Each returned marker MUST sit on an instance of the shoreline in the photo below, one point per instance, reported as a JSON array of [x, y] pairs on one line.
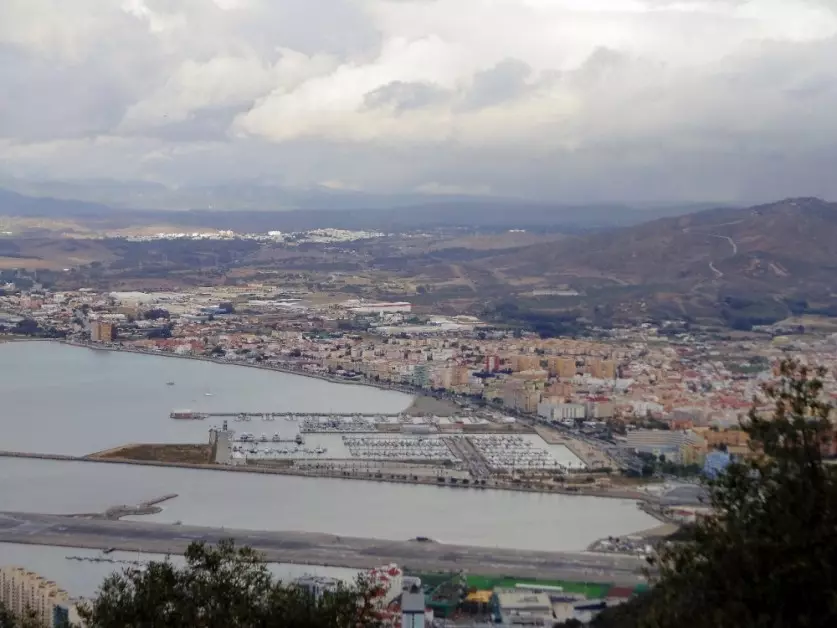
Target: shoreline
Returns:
[[288, 370]]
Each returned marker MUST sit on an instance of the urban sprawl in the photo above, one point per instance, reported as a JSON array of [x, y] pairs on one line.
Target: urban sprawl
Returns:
[[652, 401]]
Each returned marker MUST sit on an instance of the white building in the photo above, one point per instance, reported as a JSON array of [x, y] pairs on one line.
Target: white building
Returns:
[[561, 411], [412, 608], [518, 607], [401, 307]]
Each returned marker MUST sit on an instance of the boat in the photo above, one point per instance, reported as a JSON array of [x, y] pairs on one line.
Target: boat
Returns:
[[207, 394], [169, 383]]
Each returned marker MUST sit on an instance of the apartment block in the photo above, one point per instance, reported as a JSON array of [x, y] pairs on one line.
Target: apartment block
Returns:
[[600, 369], [523, 362], [101, 331], [559, 366], [23, 591], [561, 411]]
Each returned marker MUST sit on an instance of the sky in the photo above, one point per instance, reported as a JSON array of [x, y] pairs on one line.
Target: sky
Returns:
[[559, 100]]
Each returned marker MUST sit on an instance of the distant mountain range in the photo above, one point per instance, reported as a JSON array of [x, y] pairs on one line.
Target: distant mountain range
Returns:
[[742, 266], [230, 207]]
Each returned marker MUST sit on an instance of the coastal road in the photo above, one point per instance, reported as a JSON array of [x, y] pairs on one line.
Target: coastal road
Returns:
[[320, 549]]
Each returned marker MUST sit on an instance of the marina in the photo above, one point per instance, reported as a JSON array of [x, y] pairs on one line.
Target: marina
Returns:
[[83, 402], [507, 453], [406, 449]]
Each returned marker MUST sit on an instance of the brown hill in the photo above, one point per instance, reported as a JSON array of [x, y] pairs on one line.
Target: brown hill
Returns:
[[761, 262]]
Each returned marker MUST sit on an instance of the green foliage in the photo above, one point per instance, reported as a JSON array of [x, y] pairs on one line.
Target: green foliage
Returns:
[[221, 587], [544, 323], [8, 620], [767, 557]]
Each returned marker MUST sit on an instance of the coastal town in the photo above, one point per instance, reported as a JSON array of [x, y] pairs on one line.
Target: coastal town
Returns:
[[629, 413], [651, 399]]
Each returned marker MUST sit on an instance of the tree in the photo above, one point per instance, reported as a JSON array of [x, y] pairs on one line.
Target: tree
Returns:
[[155, 314], [222, 587], [9, 620], [767, 556]]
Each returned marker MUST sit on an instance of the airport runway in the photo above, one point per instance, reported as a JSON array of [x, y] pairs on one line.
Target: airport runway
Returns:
[[320, 549]]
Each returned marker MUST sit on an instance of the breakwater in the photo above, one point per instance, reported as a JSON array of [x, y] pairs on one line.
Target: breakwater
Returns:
[[389, 476]]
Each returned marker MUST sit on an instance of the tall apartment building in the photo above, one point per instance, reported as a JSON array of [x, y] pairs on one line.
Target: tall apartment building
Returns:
[[420, 375], [601, 369], [101, 331], [23, 591], [560, 366], [560, 389], [492, 363], [524, 362], [520, 395]]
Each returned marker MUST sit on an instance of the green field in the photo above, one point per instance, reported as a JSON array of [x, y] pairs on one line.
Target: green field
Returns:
[[589, 589]]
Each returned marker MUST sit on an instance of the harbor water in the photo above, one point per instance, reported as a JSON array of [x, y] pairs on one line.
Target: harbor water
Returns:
[[59, 399], [65, 400], [492, 518]]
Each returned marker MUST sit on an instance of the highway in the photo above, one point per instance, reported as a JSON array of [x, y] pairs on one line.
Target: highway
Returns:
[[320, 549]]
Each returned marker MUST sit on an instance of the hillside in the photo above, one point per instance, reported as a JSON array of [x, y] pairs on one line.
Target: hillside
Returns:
[[762, 262]]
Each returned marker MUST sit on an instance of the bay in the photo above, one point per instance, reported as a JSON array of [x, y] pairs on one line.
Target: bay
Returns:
[[58, 399]]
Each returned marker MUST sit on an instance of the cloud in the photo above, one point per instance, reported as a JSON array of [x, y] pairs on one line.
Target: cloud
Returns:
[[559, 99], [401, 96]]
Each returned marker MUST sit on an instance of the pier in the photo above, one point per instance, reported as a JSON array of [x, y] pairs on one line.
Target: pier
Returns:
[[291, 416]]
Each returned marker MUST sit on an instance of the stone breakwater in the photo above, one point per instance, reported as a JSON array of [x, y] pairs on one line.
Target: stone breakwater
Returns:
[[307, 471]]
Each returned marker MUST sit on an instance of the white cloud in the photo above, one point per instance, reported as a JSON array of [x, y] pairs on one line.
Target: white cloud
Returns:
[[538, 97], [219, 82]]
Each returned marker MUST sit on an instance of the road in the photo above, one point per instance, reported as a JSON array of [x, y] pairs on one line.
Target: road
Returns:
[[734, 246], [320, 549], [728, 239]]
